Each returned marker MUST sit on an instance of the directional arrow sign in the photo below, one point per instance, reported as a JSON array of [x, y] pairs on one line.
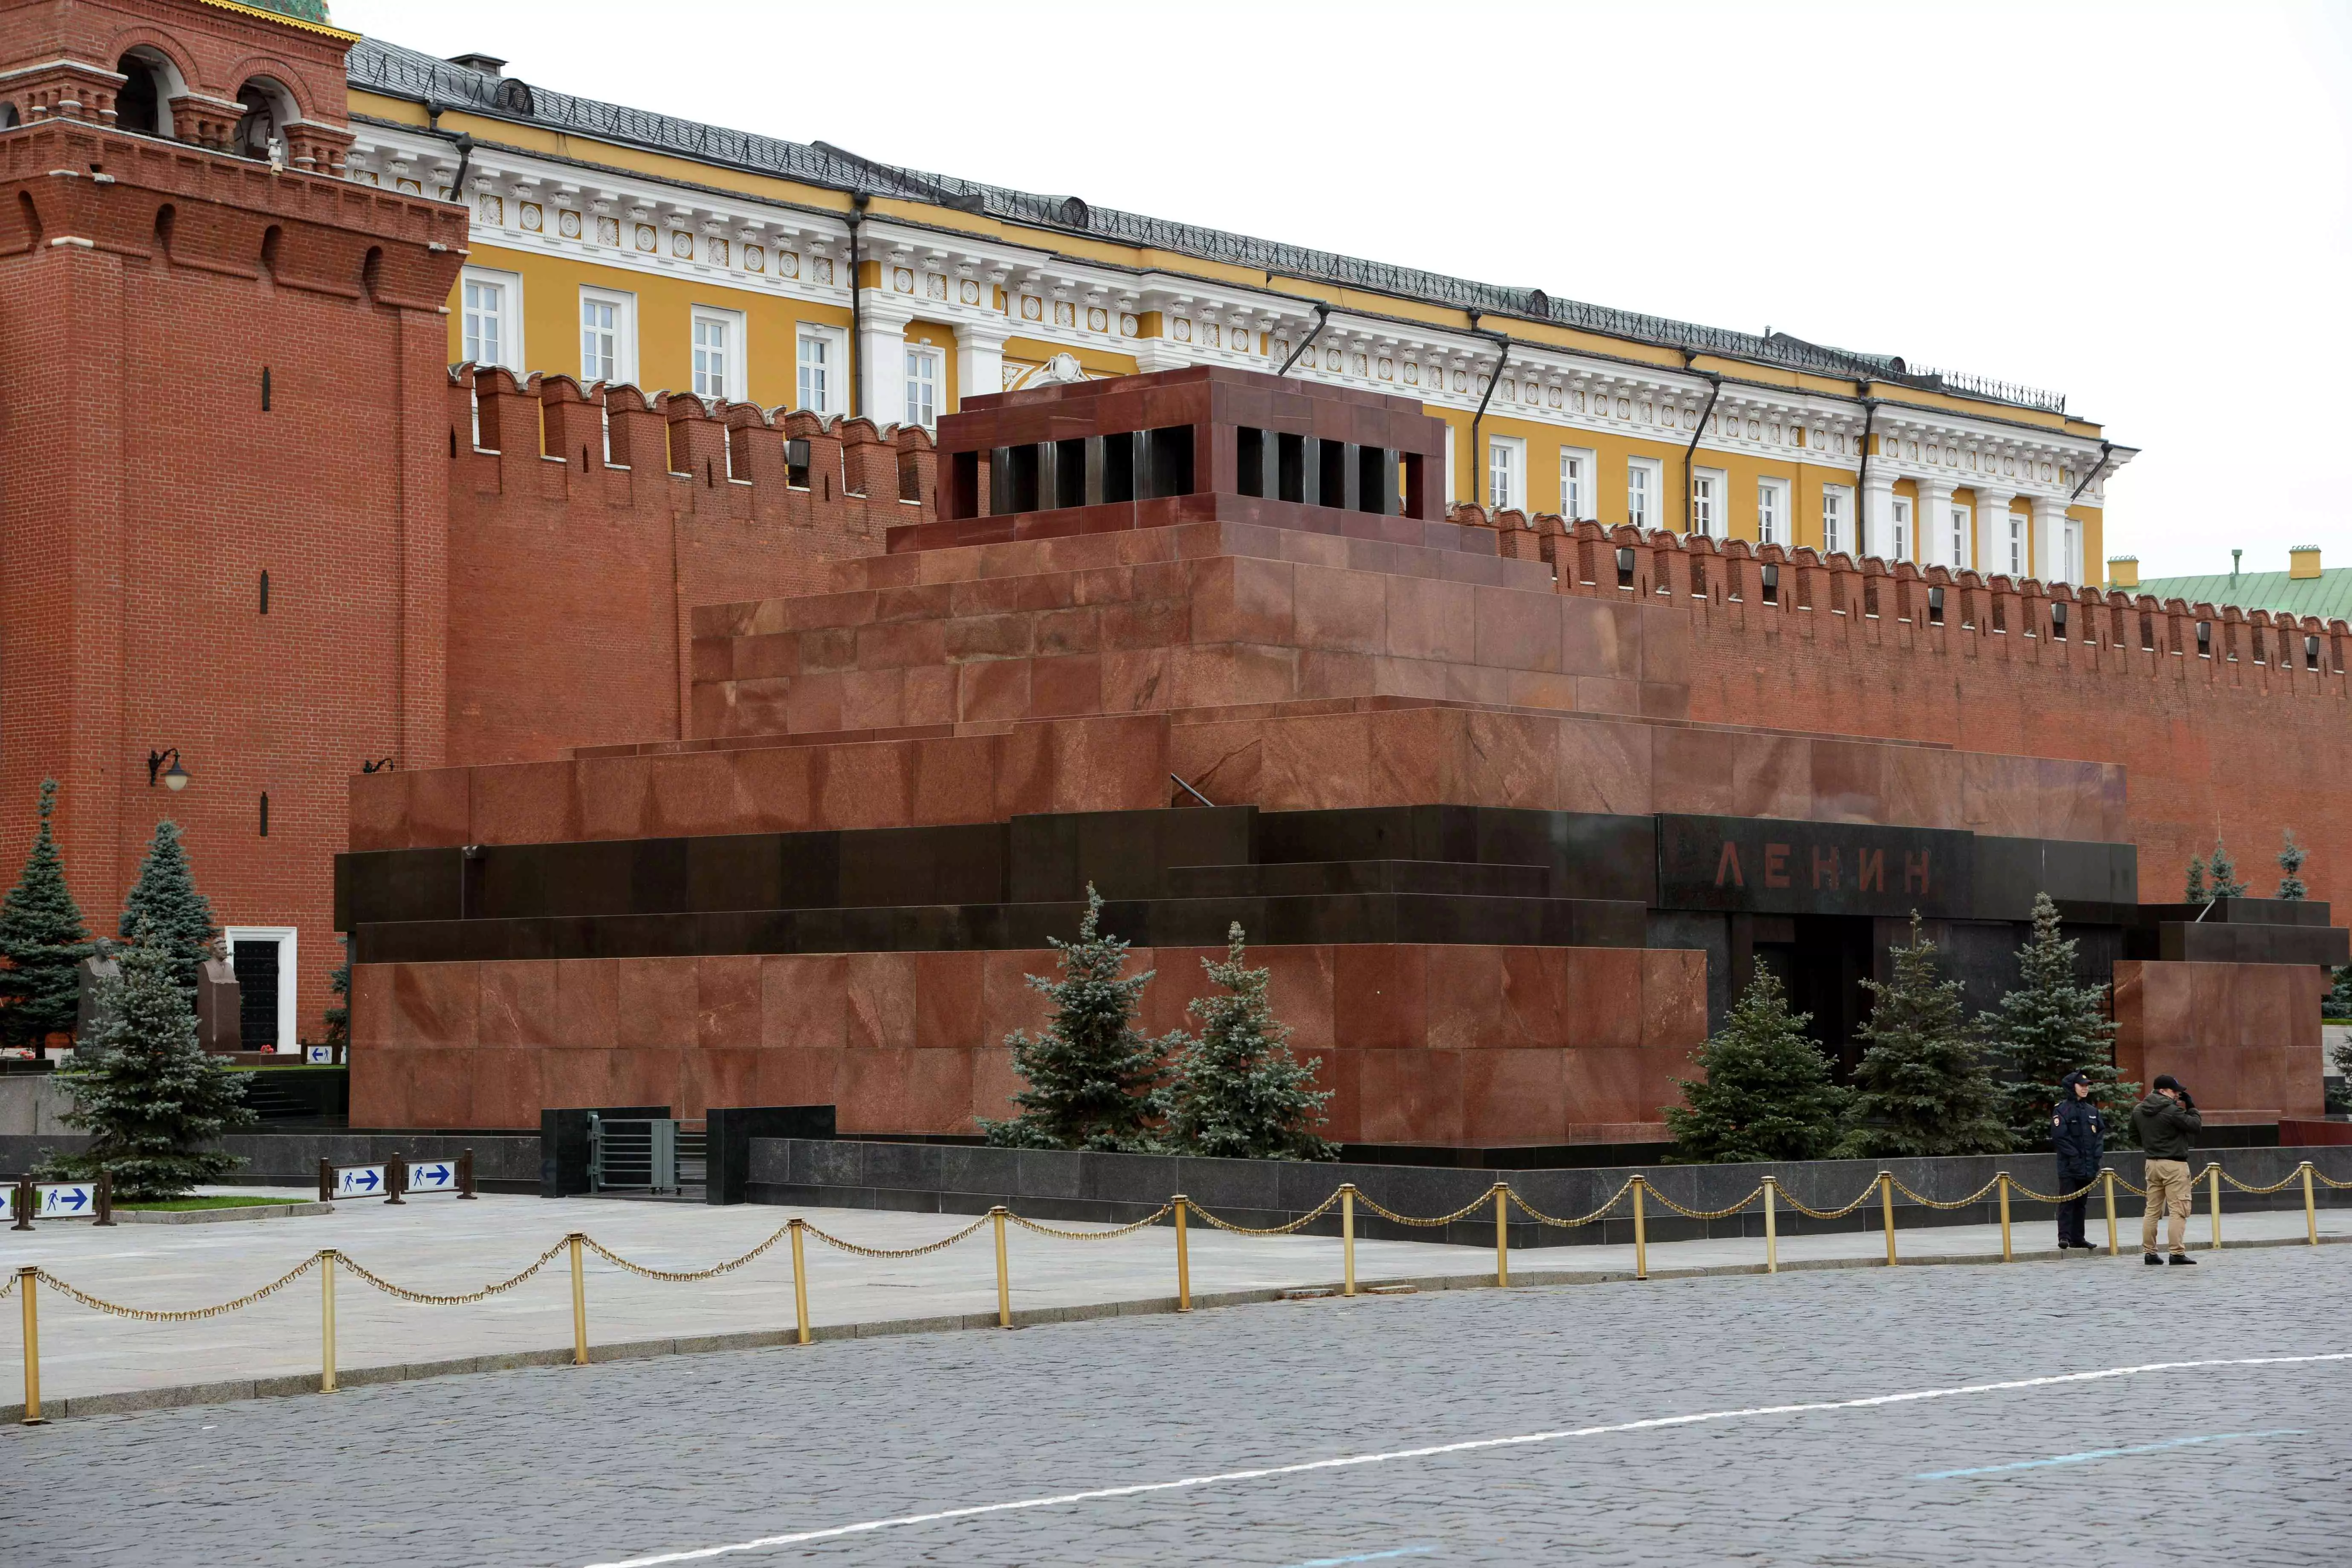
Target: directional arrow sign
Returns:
[[431, 1178], [68, 1199], [358, 1181]]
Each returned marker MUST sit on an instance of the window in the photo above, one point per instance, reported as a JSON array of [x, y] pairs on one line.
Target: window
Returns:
[[922, 387], [491, 303], [608, 336], [1833, 509], [1506, 468], [822, 357], [2016, 545], [1641, 488], [1575, 485], [2074, 551], [717, 354], [1706, 502], [1772, 512], [1962, 556], [1902, 530]]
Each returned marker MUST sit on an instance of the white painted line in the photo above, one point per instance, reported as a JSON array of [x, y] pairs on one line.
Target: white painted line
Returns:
[[2085, 1458], [1472, 1445]]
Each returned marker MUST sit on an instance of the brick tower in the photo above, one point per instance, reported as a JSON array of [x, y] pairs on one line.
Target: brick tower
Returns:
[[223, 475]]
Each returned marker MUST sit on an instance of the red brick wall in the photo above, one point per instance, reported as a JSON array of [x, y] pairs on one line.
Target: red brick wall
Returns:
[[1418, 1043]]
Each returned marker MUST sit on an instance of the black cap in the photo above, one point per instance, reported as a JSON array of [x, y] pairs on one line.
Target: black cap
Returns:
[[2165, 1081]]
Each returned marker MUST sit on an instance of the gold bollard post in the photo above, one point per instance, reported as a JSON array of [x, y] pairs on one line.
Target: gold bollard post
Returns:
[[1887, 1211], [1183, 1260], [2310, 1209], [1004, 1277], [800, 1284], [27, 1281], [2008, 1254], [2107, 1180], [1348, 1231], [579, 1305], [2213, 1186], [1772, 1229], [1502, 1236], [1641, 1235], [327, 1321]]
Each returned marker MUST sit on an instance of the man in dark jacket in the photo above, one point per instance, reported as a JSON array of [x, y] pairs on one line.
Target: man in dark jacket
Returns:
[[2168, 1125], [2079, 1135]]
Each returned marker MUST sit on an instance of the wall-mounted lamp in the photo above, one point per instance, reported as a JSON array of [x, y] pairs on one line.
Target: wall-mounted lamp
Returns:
[[381, 765], [175, 777]]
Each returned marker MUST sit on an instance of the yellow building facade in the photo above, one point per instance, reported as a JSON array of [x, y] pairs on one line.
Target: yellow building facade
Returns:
[[615, 244]]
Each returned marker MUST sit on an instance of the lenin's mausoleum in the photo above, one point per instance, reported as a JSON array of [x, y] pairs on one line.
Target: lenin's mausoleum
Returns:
[[746, 753]]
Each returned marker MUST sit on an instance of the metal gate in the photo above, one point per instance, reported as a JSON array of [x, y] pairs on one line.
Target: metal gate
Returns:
[[645, 1154]]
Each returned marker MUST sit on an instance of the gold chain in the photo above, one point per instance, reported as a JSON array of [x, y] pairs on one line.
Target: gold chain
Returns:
[[1704, 1214], [191, 1314], [2276, 1186], [1319, 1211], [2022, 1190], [1165, 1210], [425, 1299], [835, 1242], [10, 1288], [1810, 1213], [676, 1277], [1542, 1218], [1937, 1204]]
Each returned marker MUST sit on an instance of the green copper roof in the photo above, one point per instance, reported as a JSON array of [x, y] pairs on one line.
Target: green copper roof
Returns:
[[2327, 596], [301, 10]]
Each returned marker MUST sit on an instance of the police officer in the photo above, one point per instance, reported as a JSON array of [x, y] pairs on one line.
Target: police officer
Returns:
[[2079, 1135]]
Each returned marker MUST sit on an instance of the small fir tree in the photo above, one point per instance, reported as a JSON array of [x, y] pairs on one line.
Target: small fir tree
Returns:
[[1767, 1094], [164, 913], [2198, 892], [44, 940], [2291, 860], [2223, 873], [1922, 1086], [152, 1096], [1237, 1093], [1090, 1074], [339, 1016], [2336, 1002], [2050, 1026]]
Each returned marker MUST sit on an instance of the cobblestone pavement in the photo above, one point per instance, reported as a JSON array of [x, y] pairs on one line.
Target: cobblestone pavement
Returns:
[[573, 1467]]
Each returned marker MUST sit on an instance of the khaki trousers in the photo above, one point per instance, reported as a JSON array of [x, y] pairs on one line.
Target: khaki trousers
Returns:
[[2167, 1192]]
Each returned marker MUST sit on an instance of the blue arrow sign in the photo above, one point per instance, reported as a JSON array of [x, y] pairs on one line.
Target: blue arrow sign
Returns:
[[77, 1197], [63, 1200], [364, 1181], [438, 1174]]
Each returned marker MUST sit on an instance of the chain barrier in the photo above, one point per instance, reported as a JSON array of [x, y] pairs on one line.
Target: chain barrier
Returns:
[[427, 1299], [2327, 1181], [1955, 1203], [682, 1277], [1706, 1214], [1150, 1219], [1799, 1204], [2278, 1186], [838, 1245], [189, 1315], [1306, 1220], [1542, 1218], [2085, 1190], [1483, 1200]]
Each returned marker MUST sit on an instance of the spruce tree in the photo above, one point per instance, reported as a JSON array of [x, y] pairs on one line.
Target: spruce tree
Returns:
[[1922, 1087], [2291, 860], [152, 1096], [1090, 1074], [1767, 1094], [44, 940], [339, 1016], [2336, 1002], [2050, 1026], [2224, 874], [164, 913], [2197, 891], [1237, 1092]]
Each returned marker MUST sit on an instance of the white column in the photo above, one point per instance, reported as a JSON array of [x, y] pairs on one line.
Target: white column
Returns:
[[979, 359], [882, 358], [2050, 540], [1875, 533], [1934, 521], [1993, 532]]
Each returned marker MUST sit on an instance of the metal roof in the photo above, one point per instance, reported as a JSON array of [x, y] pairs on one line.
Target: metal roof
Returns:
[[2327, 596], [393, 71]]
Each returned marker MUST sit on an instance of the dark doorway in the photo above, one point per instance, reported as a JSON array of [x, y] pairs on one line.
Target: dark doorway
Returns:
[[1822, 960], [255, 961]]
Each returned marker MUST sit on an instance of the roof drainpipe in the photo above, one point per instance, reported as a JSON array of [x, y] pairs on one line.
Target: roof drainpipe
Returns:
[[1690, 501], [1322, 320], [1862, 480], [857, 215], [2105, 448], [1502, 341]]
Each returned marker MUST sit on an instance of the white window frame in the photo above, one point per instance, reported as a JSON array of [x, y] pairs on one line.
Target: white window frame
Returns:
[[920, 410], [1577, 470], [835, 367], [1960, 534], [1507, 460], [1901, 510], [289, 976], [2019, 558], [731, 377], [1772, 512], [1709, 489], [510, 354], [2071, 538], [1650, 488], [624, 307], [1837, 519]]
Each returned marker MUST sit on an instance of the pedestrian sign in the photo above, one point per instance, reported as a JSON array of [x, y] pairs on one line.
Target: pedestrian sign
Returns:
[[359, 1181], [434, 1176], [66, 1200]]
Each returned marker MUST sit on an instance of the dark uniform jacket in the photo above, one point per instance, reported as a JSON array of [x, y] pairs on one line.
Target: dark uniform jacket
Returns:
[[2166, 1128], [2079, 1134]]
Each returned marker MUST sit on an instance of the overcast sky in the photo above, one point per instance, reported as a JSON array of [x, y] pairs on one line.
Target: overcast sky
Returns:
[[2146, 207]]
